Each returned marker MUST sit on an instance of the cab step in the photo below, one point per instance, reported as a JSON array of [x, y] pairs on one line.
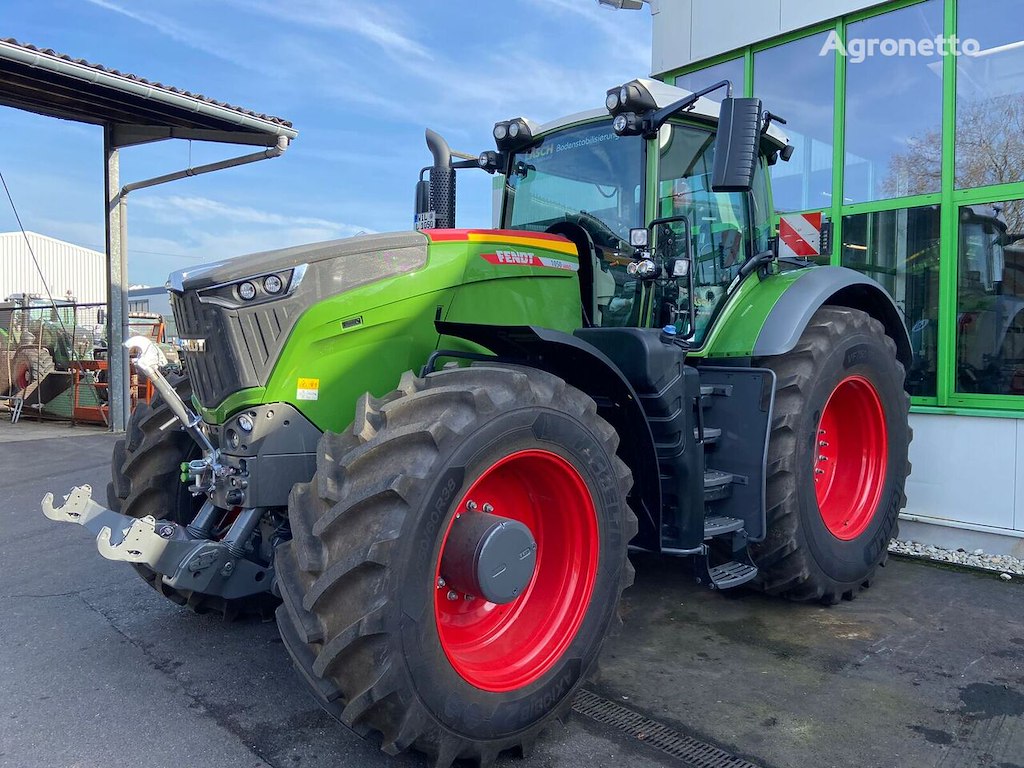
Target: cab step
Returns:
[[717, 484], [719, 525], [711, 434], [731, 574]]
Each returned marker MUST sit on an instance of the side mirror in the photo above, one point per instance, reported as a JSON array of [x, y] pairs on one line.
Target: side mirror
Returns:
[[736, 145]]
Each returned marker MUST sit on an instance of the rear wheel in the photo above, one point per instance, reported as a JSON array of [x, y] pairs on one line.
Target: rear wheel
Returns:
[[145, 480], [457, 560], [837, 459], [31, 366]]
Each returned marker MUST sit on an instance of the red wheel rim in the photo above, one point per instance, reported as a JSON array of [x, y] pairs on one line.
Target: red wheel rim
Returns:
[[506, 647], [851, 455], [22, 377]]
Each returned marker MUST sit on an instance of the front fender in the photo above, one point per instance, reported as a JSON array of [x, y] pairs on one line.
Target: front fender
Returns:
[[585, 367]]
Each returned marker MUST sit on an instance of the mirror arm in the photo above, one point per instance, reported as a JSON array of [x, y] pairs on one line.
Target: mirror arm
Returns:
[[654, 120]]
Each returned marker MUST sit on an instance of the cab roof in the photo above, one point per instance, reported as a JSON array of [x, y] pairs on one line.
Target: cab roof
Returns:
[[705, 111]]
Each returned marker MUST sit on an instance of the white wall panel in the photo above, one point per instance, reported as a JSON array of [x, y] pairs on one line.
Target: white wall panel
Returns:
[[686, 31], [802, 13], [1018, 518], [66, 267], [726, 24], [965, 469]]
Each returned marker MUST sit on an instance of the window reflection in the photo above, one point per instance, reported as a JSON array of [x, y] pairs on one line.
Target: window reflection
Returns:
[[894, 109], [805, 182], [990, 299], [990, 94], [900, 249]]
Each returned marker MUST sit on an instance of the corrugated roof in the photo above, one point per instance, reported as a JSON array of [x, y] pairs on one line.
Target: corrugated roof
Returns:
[[47, 82]]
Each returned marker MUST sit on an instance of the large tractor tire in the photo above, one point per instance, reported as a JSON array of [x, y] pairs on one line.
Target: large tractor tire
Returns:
[[145, 480], [30, 366], [377, 610], [837, 459]]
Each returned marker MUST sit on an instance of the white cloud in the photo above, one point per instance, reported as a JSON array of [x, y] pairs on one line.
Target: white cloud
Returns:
[[180, 208], [376, 23], [190, 36]]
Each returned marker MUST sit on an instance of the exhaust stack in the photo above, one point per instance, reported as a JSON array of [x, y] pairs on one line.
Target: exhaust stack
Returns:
[[442, 182]]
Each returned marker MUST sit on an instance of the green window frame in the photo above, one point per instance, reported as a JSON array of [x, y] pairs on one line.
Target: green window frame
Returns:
[[950, 199]]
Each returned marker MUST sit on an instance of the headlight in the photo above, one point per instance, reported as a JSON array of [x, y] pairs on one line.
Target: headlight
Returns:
[[619, 123], [245, 422], [513, 130], [500, 131], [272, 284], [611, 101], [247, 291]]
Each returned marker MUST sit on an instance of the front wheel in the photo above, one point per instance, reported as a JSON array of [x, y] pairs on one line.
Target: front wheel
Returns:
[[837, 459], [457, 560]]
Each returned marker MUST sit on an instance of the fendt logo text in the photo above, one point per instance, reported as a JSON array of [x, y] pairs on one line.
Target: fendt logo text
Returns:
[[515, 257]]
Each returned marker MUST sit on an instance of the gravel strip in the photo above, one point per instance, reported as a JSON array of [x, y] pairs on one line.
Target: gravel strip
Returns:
[[1003, 564]]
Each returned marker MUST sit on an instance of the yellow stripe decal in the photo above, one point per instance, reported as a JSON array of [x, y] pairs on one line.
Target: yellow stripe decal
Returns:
[[529, 242]]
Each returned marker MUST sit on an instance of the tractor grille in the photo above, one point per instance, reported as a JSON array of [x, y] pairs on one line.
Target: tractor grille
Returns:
[[225, 365]]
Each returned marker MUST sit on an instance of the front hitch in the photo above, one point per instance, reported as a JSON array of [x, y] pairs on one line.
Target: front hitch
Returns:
[[186, 562]]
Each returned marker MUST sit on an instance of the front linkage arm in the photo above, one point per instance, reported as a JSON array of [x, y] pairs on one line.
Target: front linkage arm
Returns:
[[186, 556]]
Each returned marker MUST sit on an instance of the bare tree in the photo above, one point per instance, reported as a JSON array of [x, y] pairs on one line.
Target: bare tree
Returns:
[[989, 150]]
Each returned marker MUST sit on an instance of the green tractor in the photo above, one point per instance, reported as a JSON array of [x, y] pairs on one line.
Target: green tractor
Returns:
[[38, 337], [431, 452]]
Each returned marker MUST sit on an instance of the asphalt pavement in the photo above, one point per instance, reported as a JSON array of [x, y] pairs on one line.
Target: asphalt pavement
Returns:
[[925, 669]]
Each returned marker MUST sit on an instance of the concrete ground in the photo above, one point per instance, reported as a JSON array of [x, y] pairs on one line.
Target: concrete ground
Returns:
[[924, 669]]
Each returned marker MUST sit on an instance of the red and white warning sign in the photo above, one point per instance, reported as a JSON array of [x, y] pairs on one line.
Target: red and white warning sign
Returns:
[[800, 235]]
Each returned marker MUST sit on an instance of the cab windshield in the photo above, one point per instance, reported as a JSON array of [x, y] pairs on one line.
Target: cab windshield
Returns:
[[585, 176]]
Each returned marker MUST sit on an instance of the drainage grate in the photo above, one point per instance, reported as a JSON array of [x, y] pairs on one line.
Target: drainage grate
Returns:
[[655, 734]]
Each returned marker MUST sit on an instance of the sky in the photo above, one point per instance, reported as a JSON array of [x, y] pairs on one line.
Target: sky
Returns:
[[359, 80]]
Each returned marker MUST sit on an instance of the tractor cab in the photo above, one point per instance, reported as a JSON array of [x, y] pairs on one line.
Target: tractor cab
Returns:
[[593, 180]]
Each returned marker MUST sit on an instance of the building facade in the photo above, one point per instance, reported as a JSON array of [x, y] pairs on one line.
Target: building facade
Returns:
[[908, 121], [71, 271]]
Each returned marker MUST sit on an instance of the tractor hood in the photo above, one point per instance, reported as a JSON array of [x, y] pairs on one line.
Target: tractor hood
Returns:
[[370, 254]]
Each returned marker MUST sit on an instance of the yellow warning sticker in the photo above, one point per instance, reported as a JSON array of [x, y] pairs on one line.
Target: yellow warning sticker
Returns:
[[308, 389]]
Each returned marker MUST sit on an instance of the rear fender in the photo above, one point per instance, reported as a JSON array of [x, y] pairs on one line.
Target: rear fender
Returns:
[[585, 367], [833, 286], [769, 319]]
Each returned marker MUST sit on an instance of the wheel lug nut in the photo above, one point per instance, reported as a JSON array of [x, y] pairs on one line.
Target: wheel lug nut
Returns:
[[471, 506], [453, 595], [823, 458], [440, 582], [488, 508], [819, 471], [823, 444], [469, 597]]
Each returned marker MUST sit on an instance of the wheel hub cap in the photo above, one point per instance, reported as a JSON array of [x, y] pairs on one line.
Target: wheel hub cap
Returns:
[[489, 556]]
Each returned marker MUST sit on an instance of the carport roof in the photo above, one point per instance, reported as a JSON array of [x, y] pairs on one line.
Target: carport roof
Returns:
[[139, 110]]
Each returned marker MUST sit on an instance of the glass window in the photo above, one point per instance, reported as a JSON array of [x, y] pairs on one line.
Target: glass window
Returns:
[[797, 82], [989, 93], [894, 104], [716, 223], [900, 249], [990, 299], [587, 176], [702, 78]]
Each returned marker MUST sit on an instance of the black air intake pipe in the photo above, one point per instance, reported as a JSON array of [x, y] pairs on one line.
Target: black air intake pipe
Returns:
[[442, 181]]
